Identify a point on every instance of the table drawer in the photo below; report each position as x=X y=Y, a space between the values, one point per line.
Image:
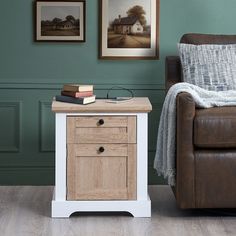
x=107 y=177
x=85 y=130
x=101 y=121
x=101 y=149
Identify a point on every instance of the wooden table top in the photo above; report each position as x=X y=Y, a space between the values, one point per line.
x=134 y=105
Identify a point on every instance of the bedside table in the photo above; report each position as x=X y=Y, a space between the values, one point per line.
x=101 y=157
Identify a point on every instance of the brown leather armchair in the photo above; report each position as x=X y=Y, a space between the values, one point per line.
x=206 y=142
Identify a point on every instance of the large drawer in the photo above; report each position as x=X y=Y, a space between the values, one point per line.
x=109 y=176
x=101 y=129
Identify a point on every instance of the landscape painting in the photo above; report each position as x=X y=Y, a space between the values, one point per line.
x=129 y=29
x=129 y=24
x=60 y=21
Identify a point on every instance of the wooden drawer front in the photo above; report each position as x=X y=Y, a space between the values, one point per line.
x=101 y=150
x=101 y=177
x=103 y=135
x=113 y=134
x=101 y=121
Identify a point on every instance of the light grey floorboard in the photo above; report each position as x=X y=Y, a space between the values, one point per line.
x=25 y=211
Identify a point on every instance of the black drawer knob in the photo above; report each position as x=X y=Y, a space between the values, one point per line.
x=101 y=122
x=101 y=149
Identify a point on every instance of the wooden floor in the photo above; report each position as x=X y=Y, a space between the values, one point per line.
x=26 y=211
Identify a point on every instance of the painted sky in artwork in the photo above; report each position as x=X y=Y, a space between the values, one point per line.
x=50 y=12
x=120 y=7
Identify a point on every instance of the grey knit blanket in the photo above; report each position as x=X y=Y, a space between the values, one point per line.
x=164 y=161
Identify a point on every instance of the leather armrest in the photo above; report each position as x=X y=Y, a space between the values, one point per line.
x=185 y=189
x=173 y=71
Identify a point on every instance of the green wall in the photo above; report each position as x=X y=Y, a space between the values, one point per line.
x=32 y=73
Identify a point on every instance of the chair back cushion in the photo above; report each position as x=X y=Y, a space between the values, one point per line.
x=173 y=65
x=209 y=66
x=198 y=39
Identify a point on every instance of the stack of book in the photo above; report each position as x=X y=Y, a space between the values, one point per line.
x=76 y=93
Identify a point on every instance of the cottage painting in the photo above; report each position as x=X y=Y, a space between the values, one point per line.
x=129 y=24
x=60 y=20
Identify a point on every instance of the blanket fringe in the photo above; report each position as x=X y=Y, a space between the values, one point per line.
x=169 y=175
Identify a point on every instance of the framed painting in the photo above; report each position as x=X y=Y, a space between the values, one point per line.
x=60 y=21
x=129 y=29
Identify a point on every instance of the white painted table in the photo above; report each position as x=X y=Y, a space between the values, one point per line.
x=138 y=207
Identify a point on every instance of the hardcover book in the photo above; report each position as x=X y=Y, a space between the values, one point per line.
x=81 y=100
x=77 y=94
x=77 y=88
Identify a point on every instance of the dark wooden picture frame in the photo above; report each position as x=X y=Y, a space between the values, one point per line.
x=129 y=31
x=60 y=21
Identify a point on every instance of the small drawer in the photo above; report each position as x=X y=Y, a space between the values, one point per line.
x=103 y=135
x=101 y=150
x=101 y=121
x=114 y=132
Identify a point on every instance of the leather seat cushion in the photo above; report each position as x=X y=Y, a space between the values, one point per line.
x=215 y=127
